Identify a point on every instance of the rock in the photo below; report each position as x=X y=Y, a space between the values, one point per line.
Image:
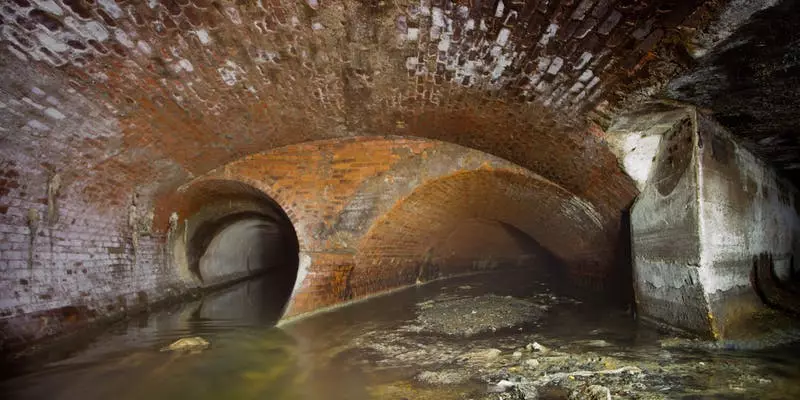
x=501 y=386
x=194 y=344
x=598 y=343
x=532 y=363
x=479 y=356
x=441 y=377
x=508 y=390
x=517 y=355
x=536 y=347
x=528 y=391
x=593 y=392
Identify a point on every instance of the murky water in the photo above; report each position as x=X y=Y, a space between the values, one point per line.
x=442 y=340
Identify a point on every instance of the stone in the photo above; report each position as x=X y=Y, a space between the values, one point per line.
x=531 y=363
x=481 y=355
x=514 y=390
x=193 y=344
x=528 y=391
x=597 y=343
x=501 y=386
x=535 y=346
x=592 y=392
x=441 y=377
x=517 y=355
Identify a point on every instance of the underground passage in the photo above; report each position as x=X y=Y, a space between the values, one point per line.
x=406 y=199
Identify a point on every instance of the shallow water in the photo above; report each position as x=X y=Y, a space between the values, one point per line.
x=386 y=348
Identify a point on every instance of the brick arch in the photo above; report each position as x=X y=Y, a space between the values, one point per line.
x=189 y=198
x=391 y=252
x=338 y=192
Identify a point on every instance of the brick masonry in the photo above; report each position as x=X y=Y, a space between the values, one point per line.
x=369 y=212
x=107 y=107
x=345 y=199
x=126 y=96
x=64 y=262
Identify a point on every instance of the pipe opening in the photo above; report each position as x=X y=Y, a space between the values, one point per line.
x=237 y=232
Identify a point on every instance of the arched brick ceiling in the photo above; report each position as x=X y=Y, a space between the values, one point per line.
x=368 y=211
x=119 y=96
x=562 y=223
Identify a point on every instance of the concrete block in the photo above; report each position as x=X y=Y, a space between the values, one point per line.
x=708 y=209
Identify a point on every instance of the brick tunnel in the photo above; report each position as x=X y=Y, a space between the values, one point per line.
x=303 y=160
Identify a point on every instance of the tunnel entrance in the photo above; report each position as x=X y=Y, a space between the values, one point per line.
x=234 y=232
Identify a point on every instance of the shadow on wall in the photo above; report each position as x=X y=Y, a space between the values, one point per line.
x=478 y=220
x=234 y=231
x=622 y=283
x=778 y=292
x=478 y=244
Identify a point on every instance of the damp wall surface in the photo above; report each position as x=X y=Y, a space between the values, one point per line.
x=64 y=261
x=369 y=215
x=709 y=209
x=665 y=233
x=746 y=210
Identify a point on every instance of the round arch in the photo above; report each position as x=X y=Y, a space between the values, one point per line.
x=406 y=236
x=222 y=231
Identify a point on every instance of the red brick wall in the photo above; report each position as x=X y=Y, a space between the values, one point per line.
x=569 y=228
x=150 y=97
x=368 y=210
x=64 y=262
x=119 y=97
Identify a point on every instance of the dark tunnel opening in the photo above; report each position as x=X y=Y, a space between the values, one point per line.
x=551 y=265
x=238 y=233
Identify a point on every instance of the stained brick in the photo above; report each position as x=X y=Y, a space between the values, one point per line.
x=152 y=98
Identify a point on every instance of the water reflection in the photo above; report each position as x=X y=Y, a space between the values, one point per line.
x=377 y=349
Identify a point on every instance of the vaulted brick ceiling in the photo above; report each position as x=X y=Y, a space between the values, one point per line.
x=118 y=96
x=119 y=116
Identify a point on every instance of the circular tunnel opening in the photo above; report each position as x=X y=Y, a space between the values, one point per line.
x=235 y=232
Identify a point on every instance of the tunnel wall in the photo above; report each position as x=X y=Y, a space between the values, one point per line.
x=240 y=249
x=665 y=226
x=337 y=192
x=407 y=241
x=125 y=99
x=64 y=261
x=747 y=210
x=334 y=193
x=709 y=209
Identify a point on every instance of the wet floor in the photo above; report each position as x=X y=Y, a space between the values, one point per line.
x=489 y=336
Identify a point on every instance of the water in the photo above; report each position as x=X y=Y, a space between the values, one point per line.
x=398 y=347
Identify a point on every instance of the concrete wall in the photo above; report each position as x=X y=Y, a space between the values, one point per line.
x=745 y=210
x=708 y=209
x=666 y=237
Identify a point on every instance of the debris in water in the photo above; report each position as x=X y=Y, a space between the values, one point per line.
x=194 y=344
